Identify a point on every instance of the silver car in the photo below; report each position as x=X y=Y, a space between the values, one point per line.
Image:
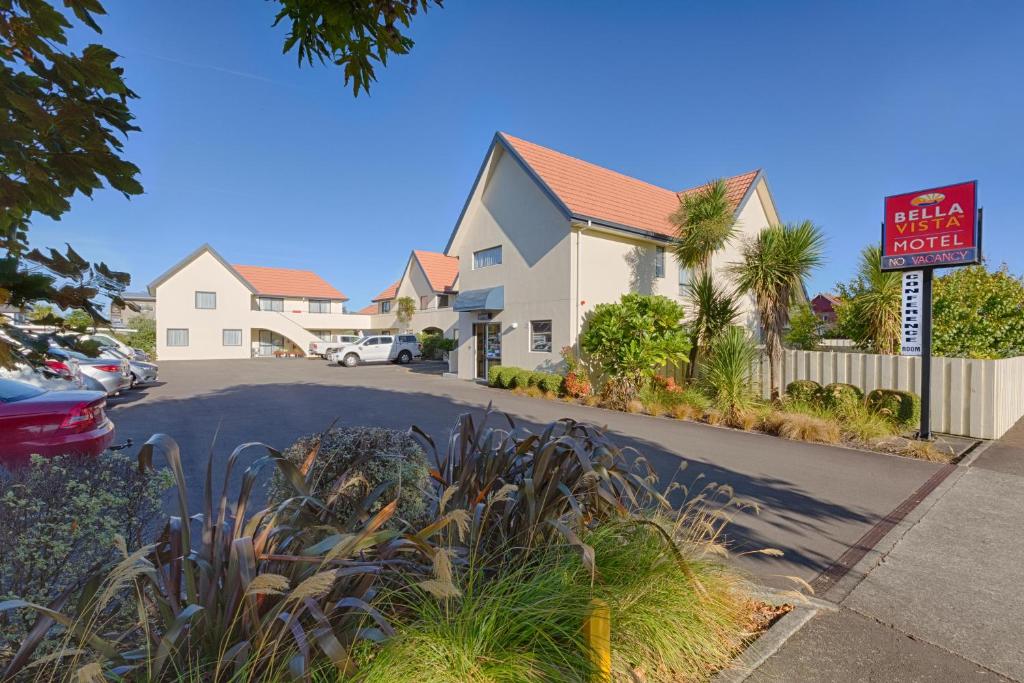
x=141 y=372
x=109 y=375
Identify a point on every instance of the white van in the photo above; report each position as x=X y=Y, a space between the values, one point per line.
x=396 y=348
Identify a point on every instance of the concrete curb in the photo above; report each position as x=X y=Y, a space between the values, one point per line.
x=975 y=452
x=769 y=642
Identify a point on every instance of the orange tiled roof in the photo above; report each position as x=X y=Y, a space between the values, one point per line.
x=598 y=193
x=441 y=270
x=388 y=293
x=367 y=310
x=288 y=282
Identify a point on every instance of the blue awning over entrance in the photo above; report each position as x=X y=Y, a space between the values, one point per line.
x=490 y=299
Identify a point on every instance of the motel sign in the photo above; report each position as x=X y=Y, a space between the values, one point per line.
x=922 y=231
x=931 y=228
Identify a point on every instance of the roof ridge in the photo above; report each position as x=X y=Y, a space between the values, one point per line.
x=725 y=179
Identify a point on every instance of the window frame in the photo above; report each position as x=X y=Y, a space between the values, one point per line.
x=659 y=263
x=320 y=303
x=476 y=257
x=205 y=308
x=684 y=280
x=385 y=306
x=550 y=335
x=223 y=336
x=446 y=299
x=424 y=302
x=167 y=337
x=261 y=299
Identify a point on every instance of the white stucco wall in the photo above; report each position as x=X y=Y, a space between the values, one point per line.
x=509 y=209
x=236 y=309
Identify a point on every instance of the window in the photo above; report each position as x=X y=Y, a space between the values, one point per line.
x=424 y=302
x=271 y=303
x=442 y=301
x=177 y=336
x=319 y=305
x=659 y=262
x=408 y=339
x=232 y=338
x=385 y=340
x=322 y=335
x=683 y=280
x=206 y=299
x=540 y=336
x=487 y=257
x=385 y=306
x=372 y=341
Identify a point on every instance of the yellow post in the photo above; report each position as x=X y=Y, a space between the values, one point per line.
x=597 y=629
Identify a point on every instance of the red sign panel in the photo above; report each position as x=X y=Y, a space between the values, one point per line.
x=931 y=228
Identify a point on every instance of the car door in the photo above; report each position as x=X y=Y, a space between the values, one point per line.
x=387 y=348
x=369 y=350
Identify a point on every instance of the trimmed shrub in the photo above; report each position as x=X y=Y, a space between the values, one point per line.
x=551 y=383
x=536 y=378
x=899 y=407
x=803 y=390
x=367 y=457
x=494 y=374
x=519 y=378
x=59 y=518
x=841 y=398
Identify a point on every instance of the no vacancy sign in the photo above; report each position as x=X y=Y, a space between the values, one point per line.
x=931 y=228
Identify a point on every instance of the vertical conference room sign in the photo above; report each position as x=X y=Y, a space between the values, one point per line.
x=931 y=228
x=910 y=341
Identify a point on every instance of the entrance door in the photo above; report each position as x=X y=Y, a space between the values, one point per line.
x=488 y=347
x=269 y=342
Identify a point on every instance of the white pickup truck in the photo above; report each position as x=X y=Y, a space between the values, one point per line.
x=324 y=348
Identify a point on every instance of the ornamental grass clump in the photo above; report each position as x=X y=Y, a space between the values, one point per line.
x=521 y=624
x=727 y=373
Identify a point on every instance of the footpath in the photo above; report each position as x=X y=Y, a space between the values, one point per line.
x=940 y=598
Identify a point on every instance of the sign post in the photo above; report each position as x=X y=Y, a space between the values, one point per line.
x=922 y=231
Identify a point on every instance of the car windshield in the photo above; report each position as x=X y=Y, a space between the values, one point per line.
x=13 y=390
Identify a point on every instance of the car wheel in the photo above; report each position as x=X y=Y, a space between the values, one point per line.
x=351 y=360
x=404 y=357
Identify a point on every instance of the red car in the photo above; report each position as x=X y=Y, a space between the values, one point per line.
x=34 y=420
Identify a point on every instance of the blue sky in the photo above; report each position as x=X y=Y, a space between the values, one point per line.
x=840 y=103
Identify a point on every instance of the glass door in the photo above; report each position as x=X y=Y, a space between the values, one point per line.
x=488 y=347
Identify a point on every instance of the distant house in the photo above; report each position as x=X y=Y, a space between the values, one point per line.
x=430 y=279
x=823 y=306
x=138 y=305
x=208 y=308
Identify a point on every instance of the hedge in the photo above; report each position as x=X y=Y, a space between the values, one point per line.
x=509 y=377
x=841 y=397
x=900 y=407
x=803 y=390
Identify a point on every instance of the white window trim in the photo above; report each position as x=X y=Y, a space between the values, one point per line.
x=659 y=261
x=551 y=334
x=231 y=329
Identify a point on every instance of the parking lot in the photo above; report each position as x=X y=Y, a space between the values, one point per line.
x=815 y=501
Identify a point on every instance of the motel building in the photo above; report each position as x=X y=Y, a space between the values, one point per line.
x=542 y=239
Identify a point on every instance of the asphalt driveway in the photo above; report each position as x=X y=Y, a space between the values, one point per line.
x=815 y=501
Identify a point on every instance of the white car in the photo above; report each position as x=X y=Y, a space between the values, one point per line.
x=325 y=348
x=398 y=348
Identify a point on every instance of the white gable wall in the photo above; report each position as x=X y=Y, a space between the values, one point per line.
x=509 y=209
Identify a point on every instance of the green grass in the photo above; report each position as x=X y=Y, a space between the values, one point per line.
x=673 y=617
x=522 y=625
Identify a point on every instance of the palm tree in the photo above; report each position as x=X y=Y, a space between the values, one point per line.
x=774 y=267
x=872 y=304
x=704 y=223
x=715 y=308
